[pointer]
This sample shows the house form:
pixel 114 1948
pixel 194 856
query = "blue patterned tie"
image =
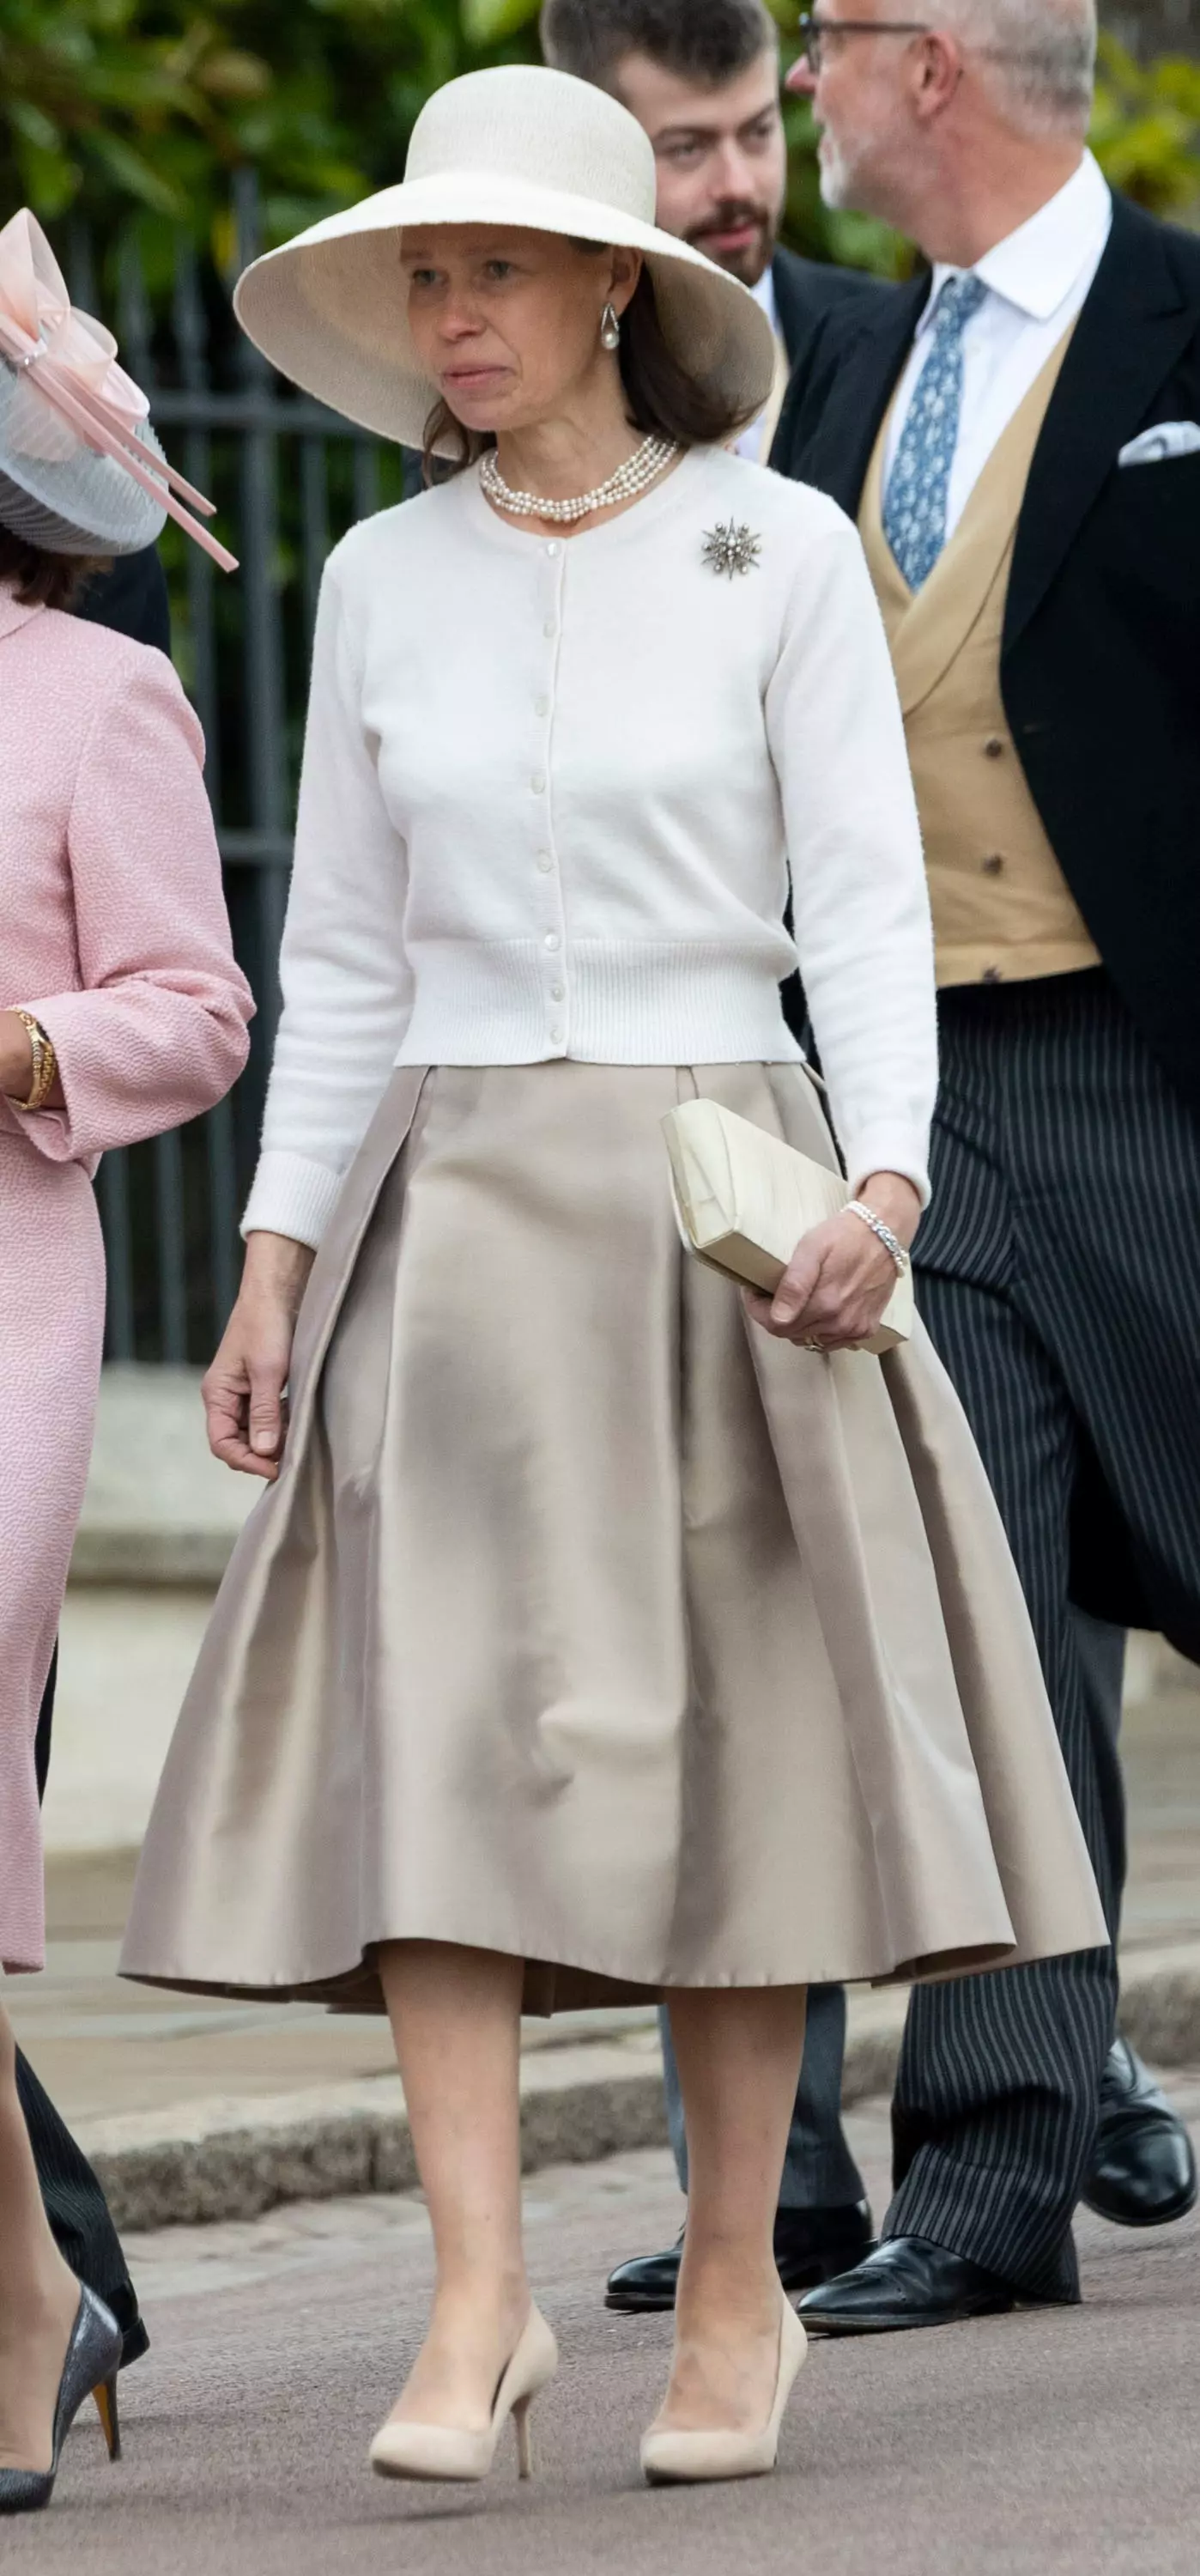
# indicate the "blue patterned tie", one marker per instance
pixel 918 492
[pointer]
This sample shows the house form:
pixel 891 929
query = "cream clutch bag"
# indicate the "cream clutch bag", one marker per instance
pixel 744 1198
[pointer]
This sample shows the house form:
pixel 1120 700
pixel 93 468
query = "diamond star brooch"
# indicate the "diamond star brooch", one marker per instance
pixel 731 549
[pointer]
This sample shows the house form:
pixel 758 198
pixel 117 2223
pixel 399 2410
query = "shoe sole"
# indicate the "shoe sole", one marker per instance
pixel 1162 2218
pixel 819 2325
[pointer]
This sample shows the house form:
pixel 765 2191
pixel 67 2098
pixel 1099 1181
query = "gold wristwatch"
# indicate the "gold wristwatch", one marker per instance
pixel 45 1064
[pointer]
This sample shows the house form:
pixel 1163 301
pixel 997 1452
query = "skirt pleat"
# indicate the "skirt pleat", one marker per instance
pixel 587 1623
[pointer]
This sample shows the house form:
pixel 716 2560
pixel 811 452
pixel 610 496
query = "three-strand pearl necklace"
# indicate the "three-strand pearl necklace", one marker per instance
pixel 636 474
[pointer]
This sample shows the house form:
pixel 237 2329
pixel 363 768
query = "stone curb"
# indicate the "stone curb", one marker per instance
pixel 237 2159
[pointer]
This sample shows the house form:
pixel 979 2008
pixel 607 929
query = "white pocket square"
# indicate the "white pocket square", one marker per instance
pixel 1168 438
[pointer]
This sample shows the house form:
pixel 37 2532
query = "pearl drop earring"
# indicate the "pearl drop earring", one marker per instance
pixel 610 329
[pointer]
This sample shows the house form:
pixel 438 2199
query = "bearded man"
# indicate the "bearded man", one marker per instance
pixel 702 77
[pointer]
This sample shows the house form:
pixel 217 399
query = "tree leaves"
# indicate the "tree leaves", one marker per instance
pixel 140 110
pixel 1147 129
pixel 489 22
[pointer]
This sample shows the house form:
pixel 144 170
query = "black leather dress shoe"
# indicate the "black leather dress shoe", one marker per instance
pixel 906 2282
pixel 810 2246
pixel 1144 2171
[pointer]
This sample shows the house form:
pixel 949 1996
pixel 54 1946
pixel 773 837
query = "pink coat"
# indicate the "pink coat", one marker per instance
pixel 113 932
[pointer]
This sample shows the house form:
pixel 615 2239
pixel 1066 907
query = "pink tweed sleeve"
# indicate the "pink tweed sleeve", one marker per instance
pixel 157 1030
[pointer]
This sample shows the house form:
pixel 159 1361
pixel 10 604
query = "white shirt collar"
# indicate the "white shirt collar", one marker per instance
pixel 764 294
pixel 1036 267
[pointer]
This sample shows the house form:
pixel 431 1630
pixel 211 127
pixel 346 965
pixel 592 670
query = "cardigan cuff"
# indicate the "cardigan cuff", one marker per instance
pixel 888 1149
pixel 292 1196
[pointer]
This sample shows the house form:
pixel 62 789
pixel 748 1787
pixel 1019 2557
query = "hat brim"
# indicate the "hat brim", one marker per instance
pixel 329 309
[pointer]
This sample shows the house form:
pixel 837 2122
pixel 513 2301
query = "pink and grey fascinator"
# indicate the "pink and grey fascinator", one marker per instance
pixel 81 471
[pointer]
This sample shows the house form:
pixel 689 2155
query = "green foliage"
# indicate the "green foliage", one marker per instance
pixel 1147 131
pixel 116 108
pixel 140 109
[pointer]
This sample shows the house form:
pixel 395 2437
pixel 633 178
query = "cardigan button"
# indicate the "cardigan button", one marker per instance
pixel 556 1037
pixel 994 747
pixel 538 782
pixel 553 940
pixel 993 867
pixel 992 975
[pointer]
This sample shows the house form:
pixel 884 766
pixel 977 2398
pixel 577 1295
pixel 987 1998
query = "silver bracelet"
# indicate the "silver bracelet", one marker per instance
pixel 891 1242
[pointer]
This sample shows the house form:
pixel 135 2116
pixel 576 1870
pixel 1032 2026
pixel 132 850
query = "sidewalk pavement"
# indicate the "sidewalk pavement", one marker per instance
pixel 200 2110
pixel 1055 2442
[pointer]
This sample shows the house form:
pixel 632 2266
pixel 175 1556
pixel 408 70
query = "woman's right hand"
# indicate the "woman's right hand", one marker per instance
pixel 244 1390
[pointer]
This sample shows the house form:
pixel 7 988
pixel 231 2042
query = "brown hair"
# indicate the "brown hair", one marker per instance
pixel 43 580
pixel 661 398
pixel 706 41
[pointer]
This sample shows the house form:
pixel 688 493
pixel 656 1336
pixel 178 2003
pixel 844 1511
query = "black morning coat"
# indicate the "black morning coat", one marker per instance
pixel 132 597
pixel 806 290
pixel 1100 666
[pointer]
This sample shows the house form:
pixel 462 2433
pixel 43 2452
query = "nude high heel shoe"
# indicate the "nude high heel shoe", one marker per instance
pixel 443 2451
pixel 678 2459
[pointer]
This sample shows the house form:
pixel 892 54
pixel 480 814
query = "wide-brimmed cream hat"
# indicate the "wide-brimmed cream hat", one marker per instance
pixel 519 146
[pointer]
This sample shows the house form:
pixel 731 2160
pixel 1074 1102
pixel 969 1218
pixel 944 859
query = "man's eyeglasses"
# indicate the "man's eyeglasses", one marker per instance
pixel 815 32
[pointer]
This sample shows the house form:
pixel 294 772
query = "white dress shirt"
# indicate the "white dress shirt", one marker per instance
pixel 1038 280
pixel 752 440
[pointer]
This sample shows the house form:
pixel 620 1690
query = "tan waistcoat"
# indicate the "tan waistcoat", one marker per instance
pixel 1002 909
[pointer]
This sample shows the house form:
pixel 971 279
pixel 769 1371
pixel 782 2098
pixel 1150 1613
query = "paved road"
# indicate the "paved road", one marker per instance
pixel 1059 2443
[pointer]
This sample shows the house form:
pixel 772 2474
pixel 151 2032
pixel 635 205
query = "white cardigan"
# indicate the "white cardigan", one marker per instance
pixel 551 790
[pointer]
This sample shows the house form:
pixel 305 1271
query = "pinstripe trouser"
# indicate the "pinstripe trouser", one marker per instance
pixel 1059 1275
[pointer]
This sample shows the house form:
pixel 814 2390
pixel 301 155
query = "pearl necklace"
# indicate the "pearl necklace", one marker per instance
pixel 636 474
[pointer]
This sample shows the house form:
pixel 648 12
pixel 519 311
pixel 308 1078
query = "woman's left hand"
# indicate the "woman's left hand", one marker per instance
pixel 836 1287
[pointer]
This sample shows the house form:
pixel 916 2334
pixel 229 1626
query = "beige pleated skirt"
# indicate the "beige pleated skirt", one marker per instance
pixel 588 1624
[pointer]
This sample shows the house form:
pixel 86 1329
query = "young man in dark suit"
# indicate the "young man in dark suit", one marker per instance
pixel 132 597
pixel 702 78
pixel 1018 437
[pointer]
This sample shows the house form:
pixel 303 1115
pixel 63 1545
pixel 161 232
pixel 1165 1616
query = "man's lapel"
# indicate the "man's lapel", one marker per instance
pixel 1131 330
pixel 868 351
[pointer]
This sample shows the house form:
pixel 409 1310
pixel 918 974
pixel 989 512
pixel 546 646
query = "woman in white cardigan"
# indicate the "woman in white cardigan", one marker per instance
pixel 590 1642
